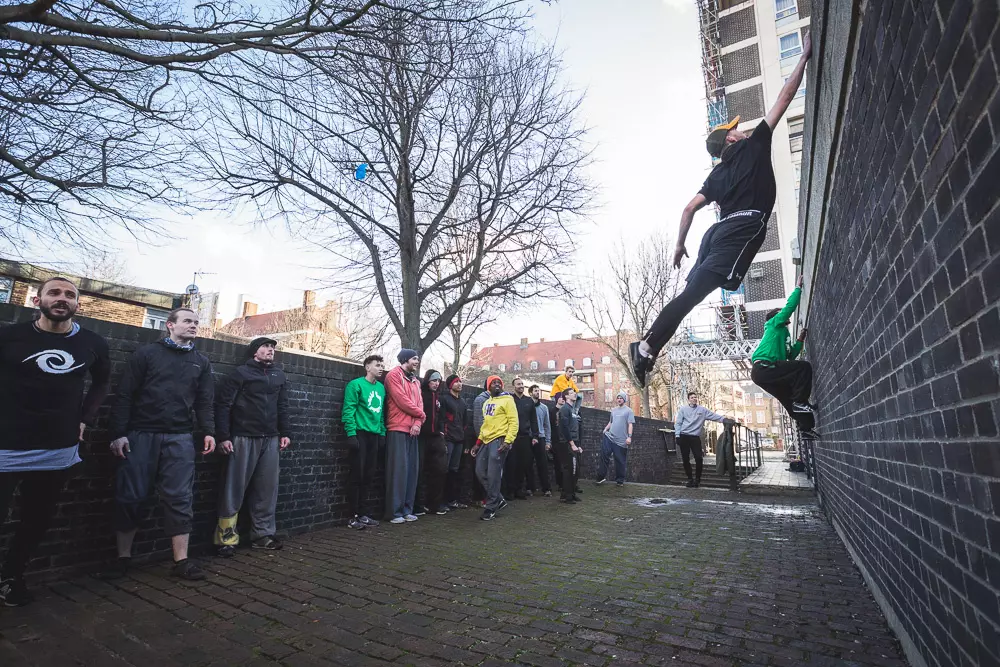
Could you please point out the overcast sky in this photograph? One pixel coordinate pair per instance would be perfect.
(638, 64)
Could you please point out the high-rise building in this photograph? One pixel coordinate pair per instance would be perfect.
(748, 50)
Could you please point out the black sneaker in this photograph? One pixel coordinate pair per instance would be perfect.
(529, 493)
(501, 506)
(267, 542)
(420, 511)
(356, 524)
(619, 484)
(805, 408)
(488, 515)
(578, 490)
(226, 551)
(187, 569)
(602, 480)
(14, 592)
(547, 494)
(368, 521)
(441, 511)
(690, 484)
(640, 364)
(810, 434)
(116, 570)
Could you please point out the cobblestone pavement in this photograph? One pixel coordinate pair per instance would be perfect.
(691, 579)
(776, 474)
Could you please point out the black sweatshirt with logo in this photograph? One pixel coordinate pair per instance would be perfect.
(159, 390)
(42, 378)
(252, 401)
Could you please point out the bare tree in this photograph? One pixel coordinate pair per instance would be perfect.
(363, 329)
(96, 95)
(105, 265)
(620, 305)
(476, 163)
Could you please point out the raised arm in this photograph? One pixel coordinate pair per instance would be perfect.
(787, 93)
(687, 217)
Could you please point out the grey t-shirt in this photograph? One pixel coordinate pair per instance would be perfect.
(620, 419)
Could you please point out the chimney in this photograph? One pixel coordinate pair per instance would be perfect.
(249, 308)
(541, 340)
(578, 336)
(218, 322)
(496, 344)
(524, 343)
(473, 350)
(308, 299)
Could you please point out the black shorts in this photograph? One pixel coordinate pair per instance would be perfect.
(730, 245)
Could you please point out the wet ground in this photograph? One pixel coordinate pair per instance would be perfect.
(641, 575)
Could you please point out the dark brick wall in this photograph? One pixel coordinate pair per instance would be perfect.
(314, 472)
(805, 9)
(769, 286)
(903, 315)
(772, 240)
(742, 64)
(755, 323)
(737, 26)
(747, 103)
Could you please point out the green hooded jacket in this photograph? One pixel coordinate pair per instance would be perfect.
(775, 344)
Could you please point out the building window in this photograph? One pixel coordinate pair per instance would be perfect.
(533, 365)
(517, 365)
(552, 364)
(586, 362)
(6, 287)
(789, 45)
(785, 8)
(568, 362)
(758, 399)
(605, 360)
(801, 92)
(502, 367)
(486, 367)
(760, 417)
(587, 379)
(607, 396)
(608, 377)
(156, 319)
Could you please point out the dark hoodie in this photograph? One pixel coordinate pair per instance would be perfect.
(433, 424)
(454, 414)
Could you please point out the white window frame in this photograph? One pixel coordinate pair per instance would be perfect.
(609, 377)
(608, 396)
(6, 289)
(792, 51)
(486, 367)
(780, 13)
(761, 417)
(587, 362)
(605, 360)
(758, 399)
(502, 368)
(517, 365)
(533, 365)
(568, 362)
(155, 316)
(552, 364)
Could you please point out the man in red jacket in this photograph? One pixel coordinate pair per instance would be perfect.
(405, 415)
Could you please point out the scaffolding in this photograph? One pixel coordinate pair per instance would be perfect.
(711, 62)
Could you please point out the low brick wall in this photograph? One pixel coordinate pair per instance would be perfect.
(314, 470)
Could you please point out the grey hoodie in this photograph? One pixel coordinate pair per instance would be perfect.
(477, 412)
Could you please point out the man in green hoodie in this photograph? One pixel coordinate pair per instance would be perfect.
(776, 371)
(364, 424)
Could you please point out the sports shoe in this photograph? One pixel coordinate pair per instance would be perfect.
(455, 505)
(116, 570)
(441, 511)
(226, 551)
(810, 433)
(529, 493)
(578, 490)
(501, 506)
(640, 364)
(368, 521)
(602, 480)
(356, 524)
(187, 569)
(410, 517)
(487, 515)
(803, 407)
(267, 542)
(619, 484)
(14, 592)
(420, 511)
(691, 484)
(398, 519)
(547, 494)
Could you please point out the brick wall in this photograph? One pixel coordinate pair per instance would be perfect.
(748, 103)
(737, 27)
(112, 311)
(742, 64)
(901, 229)
(314, 471)
(19, 293)
(773, 239)
(769, 285)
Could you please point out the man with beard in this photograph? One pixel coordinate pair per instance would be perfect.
(405, 416)
(542, 444)
(454, 415)
(251, 417)
(569, 456)
(153, 436)
(527, 434)
(43, 365)
(434, 465)
(497, 435)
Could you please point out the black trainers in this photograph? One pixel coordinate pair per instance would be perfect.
(267, 542)
(226, 551)
(116, 570)
(547, 494)
(810, 433)
(356, 524)
(420, 511)
(187, 569)
(368, 521)
(488, 515)
(602, 480)
(803, 408)
(501, 506)
(691, 484)
(619, 484)
(14, 592)
(578, 490)
(640, 364)
(441, 511)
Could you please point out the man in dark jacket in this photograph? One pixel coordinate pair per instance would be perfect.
(557, 465)
(569, 424)
(434, 463)
(520, 484)
(152, 433)
(251, 418)
(454, 416)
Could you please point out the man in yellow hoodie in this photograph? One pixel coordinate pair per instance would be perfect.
(497, 434)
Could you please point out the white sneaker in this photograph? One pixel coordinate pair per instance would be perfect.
(409, 517)
(398, 519)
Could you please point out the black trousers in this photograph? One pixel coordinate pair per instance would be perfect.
(700, 284)
(540, 461)
(40, 491)
(525, 460)
(570, 471)
(789, 382)
(509, 483)
(557, 467)
(363, 460)
(433, 471)
(691, 444)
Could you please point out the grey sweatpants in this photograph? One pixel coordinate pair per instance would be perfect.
(402, 456)
(489, 470)
(251, 471)
(166, 459)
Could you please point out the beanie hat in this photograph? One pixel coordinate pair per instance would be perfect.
(257, 343)
(491, 378)
(451, 379)
(405, 355)
(623, 395)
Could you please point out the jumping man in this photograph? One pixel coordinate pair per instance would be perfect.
(743, 186)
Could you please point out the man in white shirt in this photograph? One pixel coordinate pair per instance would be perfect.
(688, 427)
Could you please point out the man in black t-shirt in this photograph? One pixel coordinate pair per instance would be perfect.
(743, 186)
(43, 367)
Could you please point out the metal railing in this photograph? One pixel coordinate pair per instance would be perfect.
(748, 451)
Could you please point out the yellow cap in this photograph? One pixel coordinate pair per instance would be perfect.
(728, 126)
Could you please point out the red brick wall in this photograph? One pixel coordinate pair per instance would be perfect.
(111, 311)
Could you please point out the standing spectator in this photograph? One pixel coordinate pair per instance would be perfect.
(251, 418)
(43, 365)
(617, 438)
(688, 427)
(454, 415)
(152, 434)
(527, 433)
(497, 435)
(561, 383)
(557, 463)
(478, 489)
(405, 417)
(542, 444)
(364, 423)
(569, 423)
(435, 453)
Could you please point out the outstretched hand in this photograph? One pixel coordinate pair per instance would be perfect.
(807, 47)
(802, 335)
(801, 281)
(680, 252)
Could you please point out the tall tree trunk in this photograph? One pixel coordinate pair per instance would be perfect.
(645, 402)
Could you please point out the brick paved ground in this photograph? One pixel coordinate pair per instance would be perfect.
(776, 475)
(695, 581)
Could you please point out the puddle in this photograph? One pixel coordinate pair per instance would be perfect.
(661, 502)
(770, 510)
